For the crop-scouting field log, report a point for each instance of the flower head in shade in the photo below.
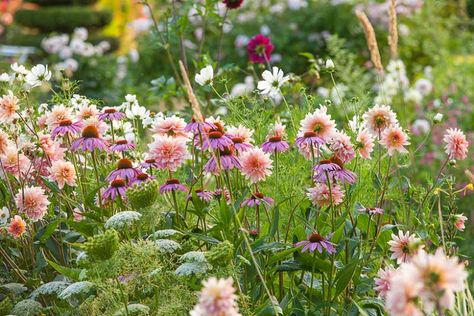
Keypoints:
(340, 144)
(51, 148)
(63, 172)
(90, 140)
(226, 161)
(456, 144)
(172, 126)
(111, 114)
(378, 118)
(459, 220)
(169, 153)
(205, 76)
(122, 145)
(404, 246)
(402, 297)
(365, 144)
(15, 162)
(4, 142)
(334, 169)
(320, 123)
(316, 241)
(116, 188)
(241, 136)
(256, 164)
(260, 49)
(233, 4)
(8, 107)
(275, 139)
(217, 298)
(257, 199)
(66, 127)
(141, 178)
(33, 202)
(203, 195)
(124, 170)
(382, 281)
(272, 82)
(321, 195)
(172, 185)
(17, 226)
(394, 139)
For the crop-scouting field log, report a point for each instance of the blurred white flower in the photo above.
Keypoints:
(38, 75)
(4, 215)
(19, 69)
(272, 82)
(297, 4)
(243, 88)
(4, 77)
(329, 64)
(205, 76)
(424, 86)
(413, 96)
(420, 127)
(438, 118)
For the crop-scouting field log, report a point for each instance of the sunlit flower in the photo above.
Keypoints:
(122, 145)
(260, 49)
(17, 226)
(241, 136)
(365, 144)
(14, 162)
(272, 82)
(322, 195)
(275, 139)
(4, 215)
(456, 144)
(141, 178)
(33, 202)
(52, 149)
(394, 139)
(378, 118)
(90, 140)
(320, 123)
(459, 220)
(111, 114)
(8, 107)
(382, 281)
(4, 142)
(217, 298)
(404, 246)
(58, 114)
(172, 126)
(168, 152)
(124, 170)
(340, 144)
(256, 164)
(117, 188)
(205, 76)
(334, 170)
(203, 195)
(63, 172)
(38, 75)
(66, 127)
(402, 297)
(226, 160)
(317, 242)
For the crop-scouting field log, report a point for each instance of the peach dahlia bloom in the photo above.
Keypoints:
(33, 202)
(58, 113)
(63, 172)
(17, 226)
(256, 165)
(378, 118)
(14, 163)
(217, 298)
(365, 144)
(404, 246)
(4, 142)
(394, 139)
(340, 144)
(8, 107)
(172, 126)
(456, 144)
(168, 152)
(382, 281)
(318, 122)
(401, 299)
(321, 195)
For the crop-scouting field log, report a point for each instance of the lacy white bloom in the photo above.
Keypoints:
(75, 289)
(167, 245)
(190, 268)
(193, 256)
(164, 233)
(122, 220)
(205, 76)
(217, 298)
(50, 288)
(38, 75)
(272, 82)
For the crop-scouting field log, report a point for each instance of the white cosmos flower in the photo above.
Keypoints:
(272, 82)
(205, 76)
(38, 75)
(137, 111)
(4, 215)
(4, 77)
(19, 69)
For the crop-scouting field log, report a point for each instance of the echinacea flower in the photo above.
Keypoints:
(149, 163)
(316, 241)
(63, 172)
(111, 114)
(382, 281)
(256, 165)
(58, 113)
(32, 201)
(203, 195)
(168, 152)
(172, 185)
(365, 144)
(378, 118)
(124, 170)
(17, 226)
(226, 160)
(241, 136)
(456, 144)
(333, 169)
(122, 145)
(216, 139)
(233, 4)
(272, 82)
(256, 199)
(8, 107)
(404, 246)
(141, 178)
(217, 298)
(90, 140)
(459, 220)
(260, 49)
(322, 195)
(117, 188)
(197, 127)
(275, 142)
(66, 127)
(394, 139)
(205, 76)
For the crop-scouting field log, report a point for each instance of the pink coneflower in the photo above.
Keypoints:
(101, 126)
(226, 161)
(172, 126)
(378, 118)
(116, 189)
(394, 139)
(149, 163)
(308, 140)
(382, 281)
(365, 144)
(216, 139)
(257, 199)
(111, 114)
(63, 172)
(402, 298)
(441, 278)
(51, 148)
(317, 242)
(8, 107)
(141, 178)
(122, 145)
(172, 185)
(404, 246)
(371, 210)
(459, 220)
(241, 136)
(217, 298)
(33, 202)
(168, 152)
(124, 170)
(198, 127)
(14, 162)
(334, 169)
(58, 113)
(233, 4)
(321, 195)
(17, 226)
(66, 127)
(260, 49)
(90, 140)
(256, 164)
(4, 142)
(203, 195)
(274, 141)
(219, 193)
(456, 144)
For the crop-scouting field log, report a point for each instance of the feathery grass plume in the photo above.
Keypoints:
(393, 30)
(192, 98)
(371, 40)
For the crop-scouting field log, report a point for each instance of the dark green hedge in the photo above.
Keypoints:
(62, 2)
(63, 18)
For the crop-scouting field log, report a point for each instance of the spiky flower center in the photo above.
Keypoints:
(65, 122)
(121, 142)
(310, 134)
(238, 140)
(274, 139)
(142, 176)
(173, 181)
(215, 134)
(118, 183)
(90, 132)
(315, 237)
(124, 163)
(110, 111)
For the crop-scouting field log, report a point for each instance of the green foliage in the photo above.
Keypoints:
(221, 254)
(62, 2)
(143, 195)
(6, 306)
(102, 247)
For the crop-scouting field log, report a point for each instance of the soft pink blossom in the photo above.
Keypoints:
(456, 144)
(256, 165)
(217, 298)
(401, 299)
(382, 281)
(172, 126)
(63, 172)
(17, 226)
(318, 122)
(340, 144)
(404, 246)
(394, 139)
(33, 202)
(321, 194)
(8, 107)
(168, 152)
(365, 144)
(378, 118)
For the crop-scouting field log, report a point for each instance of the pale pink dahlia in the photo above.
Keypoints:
(321, 194)
(402, 298)
(33, 202)
(456, 144)
(51, 148)
(459, 220)
(378, 118)
(8, 107)
(17, 226)
(217, 298)
(256, 165)
(168, 152)
(382, 281)
(63, 172)
(394, 139)
(318, 122)
(14, 162)
(4, 142)
(365, 144)
(58, 114)
(340, 144)
(404, 246)
(172, 126)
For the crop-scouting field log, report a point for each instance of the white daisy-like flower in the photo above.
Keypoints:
(38, 75)
(272, 82)
(4, 215)
(50, 288)
(137, 112)
(19, 69)
(122, 220)
(205, 76)
(75, 289)
(167, 245)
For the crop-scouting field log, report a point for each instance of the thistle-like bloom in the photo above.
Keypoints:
(257, 199)
(340, 144)
(33, 202)
(205, 76)
(382, 281)
(66, 127)
(456, 144)
(402, 298)
(116, 188)
(394, 139)
(90, 140)
(260, 49)
(241, 136)
(365, 144)
(172, 185)
(319, 124)
(275, 142)
(404, 246)
(459, 220)
(334, 169)
(272, 82)
(124, 170)
(17, 226)
(8, 107)
(111, 114)
(317, 242)
(172, 126)
(122, 145)
(378, 118)
(168, 152)
(63, 172)
(321, 195)
(217, 298)
(256, 164)
(226, 161)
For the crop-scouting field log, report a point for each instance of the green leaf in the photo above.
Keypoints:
(344, 277)
(72, 273)
(51, 185)
(46, 231)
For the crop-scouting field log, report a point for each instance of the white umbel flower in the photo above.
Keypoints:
(122, 220)
(38, 75)
(192, 268)
(205, 76)
(76, 289)
(164, 233)
(272, 82)
(167, 245)
(50, 288)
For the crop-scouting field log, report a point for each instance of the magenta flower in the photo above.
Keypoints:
(90, 140)
(125, 170)
(141, 178)
(334, 168)
(317, 242)
(111, 114)
(259, 49)
(65, 127)
(150, 164)
(172, 185)
(256, 199)
(227, 161)
(203, 195)
(309, 139)
(275, 144)
(216, 140)
(122, 145)
(240, 144)
(233, 4)
(371, 210)
(198, 127)
(116, 188)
